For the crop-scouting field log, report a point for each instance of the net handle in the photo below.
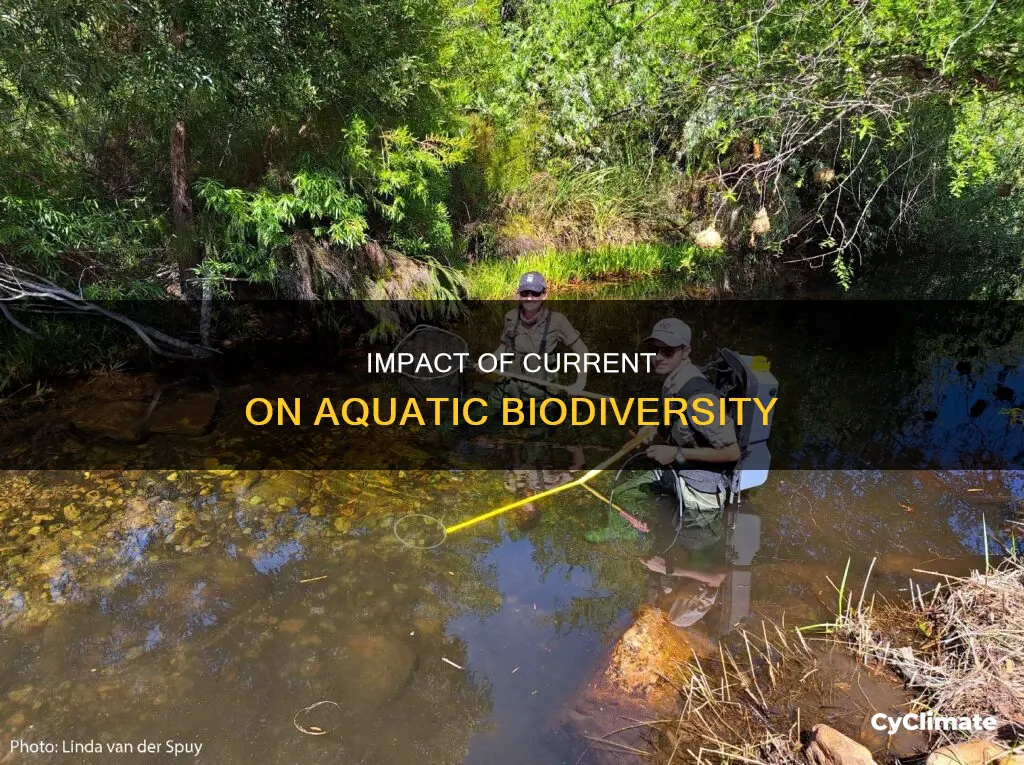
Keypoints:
(416, 329)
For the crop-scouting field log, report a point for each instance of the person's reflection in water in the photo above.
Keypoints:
(525, 482)
(705, 568)
(689, 574)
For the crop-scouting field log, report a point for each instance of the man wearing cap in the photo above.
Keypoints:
(696, 458)
(535, 328)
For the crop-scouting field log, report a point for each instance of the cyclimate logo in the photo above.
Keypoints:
(928, 721)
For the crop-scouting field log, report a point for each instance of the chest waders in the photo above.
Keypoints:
(710, 478)
(510, 347)
(510, 344)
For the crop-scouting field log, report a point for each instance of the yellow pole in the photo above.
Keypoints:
(590, 474)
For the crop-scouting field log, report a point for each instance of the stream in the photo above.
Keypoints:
(198, 607)
(217, 606)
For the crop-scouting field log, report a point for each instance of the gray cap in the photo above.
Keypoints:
(671, 332)
(533, 280)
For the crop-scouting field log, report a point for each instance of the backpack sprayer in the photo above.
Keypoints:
(730, 375)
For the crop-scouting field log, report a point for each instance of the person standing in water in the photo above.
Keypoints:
(532, 327)
(696, 459)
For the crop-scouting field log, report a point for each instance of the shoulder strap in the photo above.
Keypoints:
(544, 337)
(696, 385)
(692, 387)
(515, 331)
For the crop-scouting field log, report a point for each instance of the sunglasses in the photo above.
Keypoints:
(666, 351)
(530, 293)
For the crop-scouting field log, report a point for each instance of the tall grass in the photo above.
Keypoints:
(609, 204)
(497, 278)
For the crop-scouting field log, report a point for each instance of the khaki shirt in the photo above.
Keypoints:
(528, 339)
(718, 436)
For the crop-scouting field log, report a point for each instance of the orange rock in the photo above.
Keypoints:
(649, 651)
(632, 682)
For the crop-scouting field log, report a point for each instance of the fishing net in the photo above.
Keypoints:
(420, 532)
(318, 719)
(429, 342)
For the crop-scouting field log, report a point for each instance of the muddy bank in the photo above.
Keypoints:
(777, 696)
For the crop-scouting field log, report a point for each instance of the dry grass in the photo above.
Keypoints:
(734, 707)
(960, 649)
(969, 655)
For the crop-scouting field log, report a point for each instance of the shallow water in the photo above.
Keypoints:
(212, 606)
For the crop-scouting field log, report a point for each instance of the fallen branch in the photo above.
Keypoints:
(17, 324)
(21, 290)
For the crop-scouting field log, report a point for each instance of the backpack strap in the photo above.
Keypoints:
(692, 387)
(696, 385)
(515, 332)
(510, 344)
(544, 336)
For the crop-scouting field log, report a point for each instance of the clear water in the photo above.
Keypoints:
(205, 608)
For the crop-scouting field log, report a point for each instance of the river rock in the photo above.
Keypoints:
(974, 753)
(830, 747)
(190, 415)
(630, 683)
(373, 668)
(283, 484)
(119, 420)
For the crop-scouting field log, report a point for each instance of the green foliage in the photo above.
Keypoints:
(88, 94)
(546, 125)
(64, 347)
(496, 279)
(41, 233)
(873, 93)
(407, 182)
(256, 224)
(392, 187)
(984, 147)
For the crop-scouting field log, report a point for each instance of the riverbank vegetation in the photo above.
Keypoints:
(416, 149)
(954, 650)
(969, 650)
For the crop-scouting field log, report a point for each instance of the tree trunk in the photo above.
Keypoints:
(206, 315)
(181, 206)
(298, 274)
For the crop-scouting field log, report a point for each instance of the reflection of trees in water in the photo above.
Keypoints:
(923, 383)
(223, 643)
(825, 516)
(559, 549)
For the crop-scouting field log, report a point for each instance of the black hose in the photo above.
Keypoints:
(677, 492)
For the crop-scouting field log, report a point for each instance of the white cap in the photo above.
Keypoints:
(672, 332)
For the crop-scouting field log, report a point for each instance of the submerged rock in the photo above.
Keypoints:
(288, 485)
(630, 684)
(119, 420)
(191, 415)
(373, 668)
(830, 747)
(130, 421)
